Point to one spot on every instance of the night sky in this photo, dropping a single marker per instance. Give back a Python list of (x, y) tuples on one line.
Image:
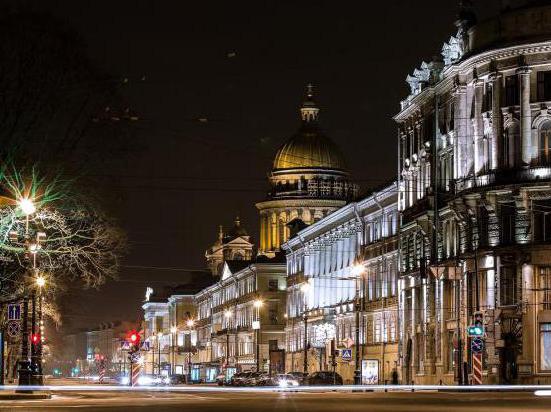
[(243, 67)]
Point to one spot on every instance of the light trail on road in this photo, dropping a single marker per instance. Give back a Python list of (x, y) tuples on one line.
[(542, 389)]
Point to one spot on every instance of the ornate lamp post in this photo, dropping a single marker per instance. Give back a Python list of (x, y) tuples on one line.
[(159, 336), (305, 288), (190, 323), (27, 207), (257, 305), (358, 271), (173, 331), (227, 314)]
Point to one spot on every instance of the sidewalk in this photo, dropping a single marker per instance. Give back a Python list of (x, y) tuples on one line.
[(13, 395)]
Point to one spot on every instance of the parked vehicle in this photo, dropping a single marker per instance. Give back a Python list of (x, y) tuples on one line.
[(178, 379), (220, 379), (285, 380), (324, 378), (299, 376), (254, 379), (238, 379)]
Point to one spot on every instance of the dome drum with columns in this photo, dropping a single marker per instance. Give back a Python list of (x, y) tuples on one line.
[(309, 180)]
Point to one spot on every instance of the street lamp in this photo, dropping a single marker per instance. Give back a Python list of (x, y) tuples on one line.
[(257, 303), (40, 281), (26, 368), (227, 314), (357, 271), (26, 205), (305, 288), (190, 323), (159, 336), (173, 331)]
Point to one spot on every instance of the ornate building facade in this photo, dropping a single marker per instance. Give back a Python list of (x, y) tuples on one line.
[(232, 245), (342, 291), (308, 181), (240, 322), (475, 196)]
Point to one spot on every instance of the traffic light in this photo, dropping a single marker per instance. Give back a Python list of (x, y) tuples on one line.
[(35, 338), (477, 327), (133, 337)]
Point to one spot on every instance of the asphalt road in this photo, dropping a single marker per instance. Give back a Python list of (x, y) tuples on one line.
[(283, 401)]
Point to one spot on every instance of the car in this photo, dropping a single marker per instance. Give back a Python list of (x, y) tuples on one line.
[(238, 379), (299, 376), (253, 379), (324, 378), (285, 380), (220, 379), (178, 379)]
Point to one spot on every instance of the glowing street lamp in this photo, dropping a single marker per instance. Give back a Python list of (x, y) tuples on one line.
[(258, 303), (40, 281), (27, 206), (190, 323), (173, 329)]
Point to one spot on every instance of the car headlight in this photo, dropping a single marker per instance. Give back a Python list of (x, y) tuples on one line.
[(144, 380), (166, 380), (293, 382), (125, 380), (283, 383)]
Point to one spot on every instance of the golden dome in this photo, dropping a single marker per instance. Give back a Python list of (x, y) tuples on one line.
[(309, 148)]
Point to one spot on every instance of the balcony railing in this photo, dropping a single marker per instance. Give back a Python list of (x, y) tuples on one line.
[(503, 177)]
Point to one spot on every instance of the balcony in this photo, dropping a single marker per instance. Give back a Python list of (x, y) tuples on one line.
[(502, 177)]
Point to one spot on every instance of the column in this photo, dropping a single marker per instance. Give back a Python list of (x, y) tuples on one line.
[(497, 135), (262, 231), (461, 138), (478, 126), (525, 115)]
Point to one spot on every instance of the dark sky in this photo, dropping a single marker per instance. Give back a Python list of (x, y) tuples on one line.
[(243, 66)]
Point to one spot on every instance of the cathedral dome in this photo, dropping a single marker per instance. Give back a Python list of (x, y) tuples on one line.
[(309, 147)]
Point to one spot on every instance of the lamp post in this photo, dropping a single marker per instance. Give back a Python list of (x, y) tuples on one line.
[(159, 336), (257, 305), (173, 331), (227, 314), (305, 288), (189, 323), (27, 207), (40, 282), (357, 270)]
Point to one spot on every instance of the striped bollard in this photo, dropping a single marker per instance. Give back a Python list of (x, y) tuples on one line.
[(477, 368), (101, 374), (135, 373)]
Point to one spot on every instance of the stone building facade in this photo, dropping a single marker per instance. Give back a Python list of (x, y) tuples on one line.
[(240, 322), (475, 196), (342, 291)]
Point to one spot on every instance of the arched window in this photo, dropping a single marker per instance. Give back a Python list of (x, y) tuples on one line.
[(545, 142), (511, 145)]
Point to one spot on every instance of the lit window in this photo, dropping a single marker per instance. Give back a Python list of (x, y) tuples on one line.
[(545, 346)]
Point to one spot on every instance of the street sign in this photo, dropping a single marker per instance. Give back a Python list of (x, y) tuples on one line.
[(145, 345), (477, 345), (14, 328), (125, 345), (475, 330), (346, 354), (14, 311)]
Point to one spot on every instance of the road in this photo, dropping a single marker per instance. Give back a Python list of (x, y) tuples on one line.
[(282, 401)]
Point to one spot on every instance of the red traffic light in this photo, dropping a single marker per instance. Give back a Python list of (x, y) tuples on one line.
[(35, 338), (133, 337)]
